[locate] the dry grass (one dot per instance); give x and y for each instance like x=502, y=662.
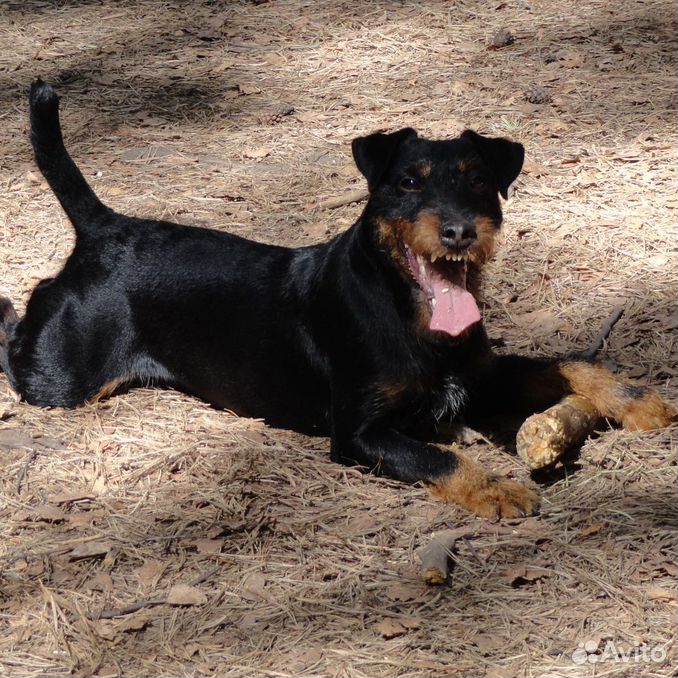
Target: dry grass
x=239, y=115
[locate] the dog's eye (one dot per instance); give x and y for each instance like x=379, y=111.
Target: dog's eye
x=478, y=182
x=409, y=184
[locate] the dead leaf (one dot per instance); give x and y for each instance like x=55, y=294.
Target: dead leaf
x=111, y=630
x=105, y=629
x=488, y=644
x=136, y=622
x=90, y=549
x=258, y=437
x=224, y=65
x=248, y=89
x=12, y=438
x=44, y=513
x=50, y=443
x=100, y=582
x=524, y=574
x=586, y=180
x=403, y=593
x=540, y=322
x=658, y=593
x=363, y=525
x=256, y=153
x=189, y=650
x=250, y=621
x=150, y=572
x=35, y=569
x=84, y=518
x=305, y=116
x=318, y=229
x=299, y=663
x=571, y=59
x=410, y=623
x=253, y=587
x=591, y=530
x=183, y=594
x=534, y=168
x=209, y=545
x=69, y=497
x=670, y=568
x=389, y=628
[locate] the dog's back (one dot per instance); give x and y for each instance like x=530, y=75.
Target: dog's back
x=143, y=301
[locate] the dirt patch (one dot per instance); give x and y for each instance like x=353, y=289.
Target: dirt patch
x=152, y=535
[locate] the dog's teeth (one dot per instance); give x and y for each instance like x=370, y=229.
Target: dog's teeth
x=433, y=302
x=445, y=290
x=448, y=257
x=433, y=258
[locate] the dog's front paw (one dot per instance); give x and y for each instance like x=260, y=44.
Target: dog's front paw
x=470, y=486
x=649, y=411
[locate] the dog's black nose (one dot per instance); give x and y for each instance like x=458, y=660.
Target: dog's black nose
x=457, y=235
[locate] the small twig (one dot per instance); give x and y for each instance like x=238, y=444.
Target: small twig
x=347, y=199
x=598, y=341
x=57, y=551
x=149, y=602
x=30, y=458
x=128, y=609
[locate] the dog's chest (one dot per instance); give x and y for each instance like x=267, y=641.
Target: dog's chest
x=449, y=400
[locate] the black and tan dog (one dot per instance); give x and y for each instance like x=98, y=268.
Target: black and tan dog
x=372, y=338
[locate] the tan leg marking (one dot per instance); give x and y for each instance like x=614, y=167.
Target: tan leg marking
x=635, y=407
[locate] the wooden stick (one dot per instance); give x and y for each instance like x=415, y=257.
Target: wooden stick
x=340, y=201
x=545, y=437
x=598, y=341
x=436, y=555
x=149, y=602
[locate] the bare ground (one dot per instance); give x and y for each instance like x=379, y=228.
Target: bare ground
x=239, y=115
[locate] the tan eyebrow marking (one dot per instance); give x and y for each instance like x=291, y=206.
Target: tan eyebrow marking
x=424, y=169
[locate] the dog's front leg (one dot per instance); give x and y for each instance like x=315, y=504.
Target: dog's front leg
x=450, y=475
x=520, y=385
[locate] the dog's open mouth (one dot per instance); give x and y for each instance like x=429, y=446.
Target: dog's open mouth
x=453, y=308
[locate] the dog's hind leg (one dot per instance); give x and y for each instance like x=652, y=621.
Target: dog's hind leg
x=523, y=385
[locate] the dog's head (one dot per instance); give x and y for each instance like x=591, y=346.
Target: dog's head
x=435, y=207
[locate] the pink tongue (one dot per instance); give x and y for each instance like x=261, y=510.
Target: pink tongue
x=454, y=308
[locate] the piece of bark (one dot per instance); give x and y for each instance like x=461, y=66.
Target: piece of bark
x=545, y=437
x=435, y=557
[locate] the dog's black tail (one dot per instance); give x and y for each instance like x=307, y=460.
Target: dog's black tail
x=82, y=206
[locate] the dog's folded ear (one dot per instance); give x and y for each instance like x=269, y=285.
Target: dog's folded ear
x=373, y=153
x=504, y=157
